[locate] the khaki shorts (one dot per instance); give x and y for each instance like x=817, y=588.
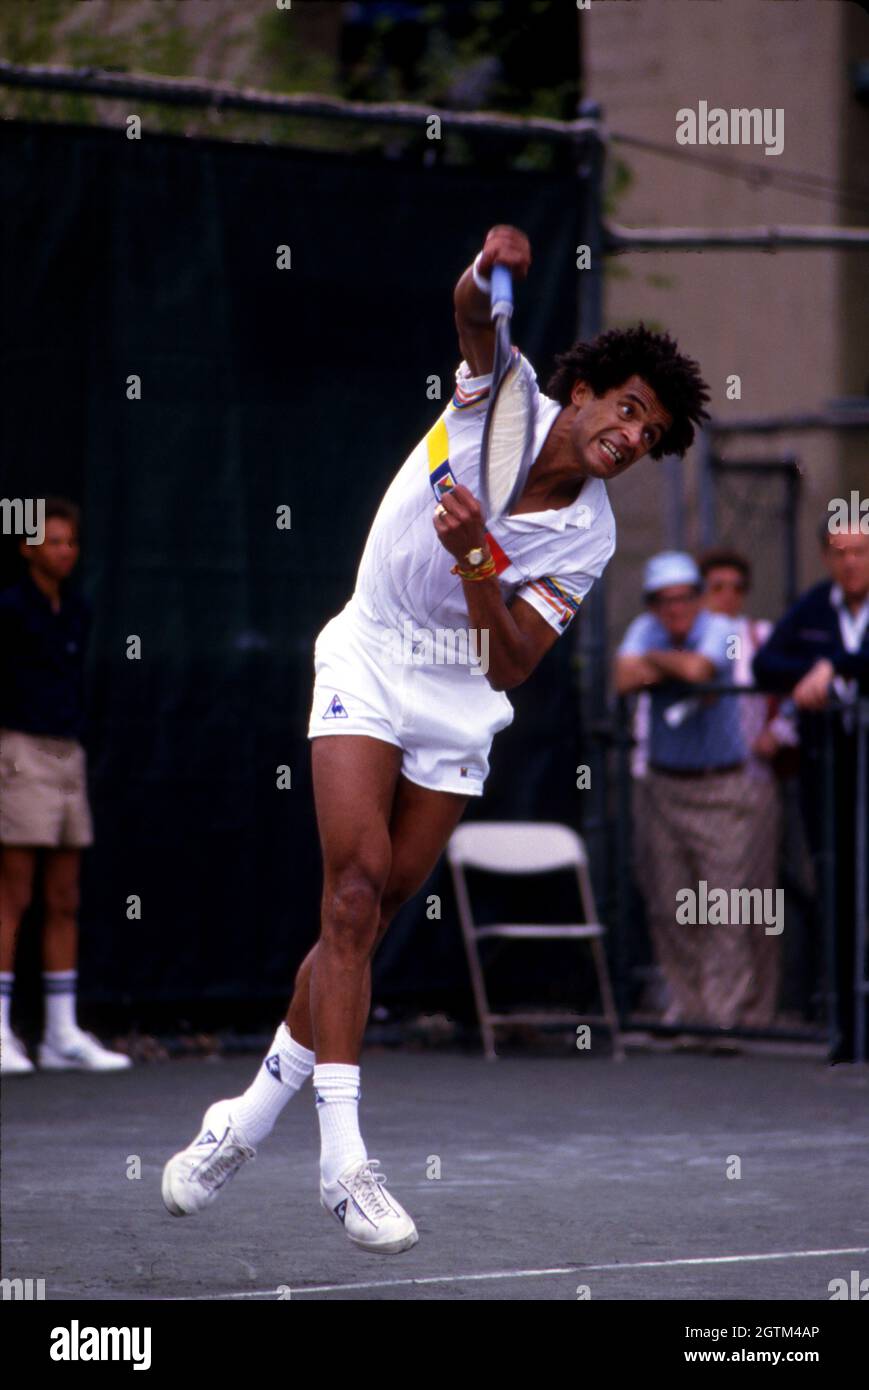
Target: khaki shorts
x=43, y=792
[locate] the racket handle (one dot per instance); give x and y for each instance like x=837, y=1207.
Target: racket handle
x=502, y=291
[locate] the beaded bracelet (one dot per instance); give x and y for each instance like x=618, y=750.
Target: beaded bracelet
x=483, y=571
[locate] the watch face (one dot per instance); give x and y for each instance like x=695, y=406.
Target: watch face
x=475, y=556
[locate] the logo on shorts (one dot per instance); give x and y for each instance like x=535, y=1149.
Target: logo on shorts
x=471, y=772
x=336, y=710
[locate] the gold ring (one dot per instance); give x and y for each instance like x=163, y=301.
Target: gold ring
x=440, y=509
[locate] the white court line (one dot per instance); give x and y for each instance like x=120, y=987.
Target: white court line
x=529, y=1273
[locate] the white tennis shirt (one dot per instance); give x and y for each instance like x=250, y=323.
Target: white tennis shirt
x=549, y=558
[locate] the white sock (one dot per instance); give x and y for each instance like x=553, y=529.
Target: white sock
x=337, y=1090
x=60, y=988
x=7, y=980
x=286, y=1068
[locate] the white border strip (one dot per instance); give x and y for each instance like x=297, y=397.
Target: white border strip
x=528, y=1273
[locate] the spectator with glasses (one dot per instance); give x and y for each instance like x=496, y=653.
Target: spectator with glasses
x=697, y=826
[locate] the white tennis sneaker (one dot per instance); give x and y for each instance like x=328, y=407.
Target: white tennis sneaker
x=80, y=1051
x=13, y=1055
x=371, y=1218
x=193, y=1177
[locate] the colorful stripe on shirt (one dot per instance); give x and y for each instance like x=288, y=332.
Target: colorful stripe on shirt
x=563, y=603
x=502, y=561
x=437, y=444
x=463, y=398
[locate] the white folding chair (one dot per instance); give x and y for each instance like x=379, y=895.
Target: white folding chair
x=525, y=847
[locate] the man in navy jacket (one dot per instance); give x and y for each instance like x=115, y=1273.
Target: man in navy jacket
x=819, y=652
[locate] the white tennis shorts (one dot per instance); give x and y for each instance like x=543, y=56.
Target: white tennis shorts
x=403, y=688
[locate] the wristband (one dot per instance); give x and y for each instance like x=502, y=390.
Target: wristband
x=482, y=282
x=483, y=571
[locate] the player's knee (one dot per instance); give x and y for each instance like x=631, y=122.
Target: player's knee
x=352, y=901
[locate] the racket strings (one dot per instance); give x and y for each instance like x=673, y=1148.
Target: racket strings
x=509, y=429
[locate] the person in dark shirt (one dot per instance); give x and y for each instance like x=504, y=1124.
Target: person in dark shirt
x=819, y=652
x=43, y=788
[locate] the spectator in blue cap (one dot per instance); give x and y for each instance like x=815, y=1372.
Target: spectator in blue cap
x=696, y=828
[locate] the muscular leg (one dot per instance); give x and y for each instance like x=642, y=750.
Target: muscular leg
x=17, y=868
x=419, y=825
x=354, y=789
x=422, y=822
x=60, y=932
x=381, y=836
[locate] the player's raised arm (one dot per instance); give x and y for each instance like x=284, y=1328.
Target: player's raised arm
x=503, y=246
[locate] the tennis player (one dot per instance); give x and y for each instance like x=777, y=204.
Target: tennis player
x=404, y=711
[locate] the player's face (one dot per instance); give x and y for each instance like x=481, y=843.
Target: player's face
x=725, y=590
x=676, y=607
x=848, y=562
x=612, y=432
x=57, y=556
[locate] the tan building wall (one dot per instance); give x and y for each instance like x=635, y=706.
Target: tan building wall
x=788, y=324
x=854, y=281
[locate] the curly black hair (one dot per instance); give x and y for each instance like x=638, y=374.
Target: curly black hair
x=613, y=357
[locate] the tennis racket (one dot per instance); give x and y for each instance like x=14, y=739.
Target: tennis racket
x=508, y=431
